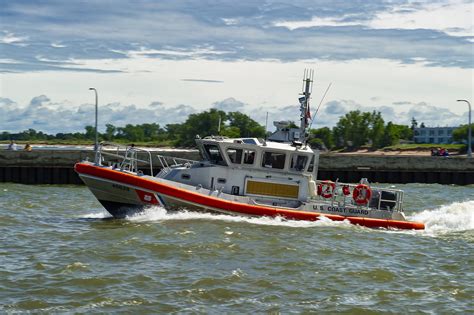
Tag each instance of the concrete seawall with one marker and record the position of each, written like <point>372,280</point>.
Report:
<point>56,167</point>
<point>397,169</point>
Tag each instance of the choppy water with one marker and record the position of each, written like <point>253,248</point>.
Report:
<point>59,253</point>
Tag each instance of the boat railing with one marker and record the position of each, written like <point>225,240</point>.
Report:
<point>381,198</point>
<point>128,158</point>
<point>168,162</point>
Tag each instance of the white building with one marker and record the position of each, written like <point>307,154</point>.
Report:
<point>441,135</point>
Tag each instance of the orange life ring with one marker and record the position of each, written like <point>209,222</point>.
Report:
<point>362,194</point>
<point>326,189</point>
<point>346,190</point>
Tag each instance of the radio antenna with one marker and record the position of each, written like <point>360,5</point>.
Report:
<point>317,109</point>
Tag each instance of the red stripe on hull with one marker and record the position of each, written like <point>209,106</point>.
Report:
<point>230,206</point>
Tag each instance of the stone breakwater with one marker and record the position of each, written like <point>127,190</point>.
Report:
<point>57,167</point>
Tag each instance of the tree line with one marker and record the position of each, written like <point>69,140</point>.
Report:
<point>353,130</point>
<point>357,129</point>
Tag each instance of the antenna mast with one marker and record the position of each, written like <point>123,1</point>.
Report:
<point>304,102</point>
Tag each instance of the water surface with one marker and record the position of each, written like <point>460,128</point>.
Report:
<point>60,252</point>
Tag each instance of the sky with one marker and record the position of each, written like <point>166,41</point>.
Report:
<point>159,61</point>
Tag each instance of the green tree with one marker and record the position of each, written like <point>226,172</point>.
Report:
<point>403,132</point>
<point>390,135</point>
<point>90,133</point>
<point>131,132</point>
<point>352,130</point>
<point>246,125</point>
<point>172,131</point>
<point>151,131</point>
<point>376,129</point>
<point>414,123</point>
<point>321,136</point>
<point>5,135</point>
<point>231,132</point>
<point>110,131</point>
<point>202,124</point>
<point>461,134</point>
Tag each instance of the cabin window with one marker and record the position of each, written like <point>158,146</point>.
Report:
<point>273,160</point>
<point>298,162</point>
<point>235,155</point>
<point>249,141</point>
<point>185,176</point>
<point>249,157</point>
<point>221,180</point>
<point>214,154</point>
<point>311,165</point>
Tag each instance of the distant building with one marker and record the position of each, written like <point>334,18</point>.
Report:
<point>441,135</point>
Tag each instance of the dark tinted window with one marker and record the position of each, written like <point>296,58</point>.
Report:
<point>214,154</point>
<point>249,157</point>
<point>273,160</point>
<point>298,162</point>
<point>235,155</point>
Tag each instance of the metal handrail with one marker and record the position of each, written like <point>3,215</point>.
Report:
<point>398,193</point>
<point>129,157</point>
<point>163,159</point>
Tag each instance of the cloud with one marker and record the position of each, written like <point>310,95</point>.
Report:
<point>202,80</point>
<point>435,116</point>
<point>43,114</point>
<point>229,105</point>
<point>430,115</point>
<point>438,34</point>
<point>338,107</point>
<point>6,102</point>
<point>10,38</point>
<point>156,105</point>
<point>38,101</point>
<point>452,17</point>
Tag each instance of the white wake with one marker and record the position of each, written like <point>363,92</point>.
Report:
<point>455,217</point>
<point>156,214</point>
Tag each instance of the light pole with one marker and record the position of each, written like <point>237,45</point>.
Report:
<point>96,145</point>
<point>469,149</point>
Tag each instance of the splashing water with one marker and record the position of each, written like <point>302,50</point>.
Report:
<point>161,214</point>
<point>455,217</point>
<point>97,215</point>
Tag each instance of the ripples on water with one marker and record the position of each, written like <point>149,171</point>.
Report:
<point>60,252</point>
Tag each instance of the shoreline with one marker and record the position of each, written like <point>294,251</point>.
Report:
<point>56,166</point>
<point>363,152</point>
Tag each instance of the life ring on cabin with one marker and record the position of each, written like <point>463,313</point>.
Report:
<point>326,189</point>
<point>346,190</point>
<point>362,194</point>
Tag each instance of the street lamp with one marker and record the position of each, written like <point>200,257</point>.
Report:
<point>469,149</point>
<point>96,145</point>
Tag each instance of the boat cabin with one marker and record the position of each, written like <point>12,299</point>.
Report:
<point>279,171</point>
<point>257,154</point>
<point>253,167</point>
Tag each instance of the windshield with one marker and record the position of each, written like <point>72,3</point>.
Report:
<point>213,153</point>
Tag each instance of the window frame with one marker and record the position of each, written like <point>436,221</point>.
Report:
<point>236,150</point>
<point>262,164</point>
<point>208,154</point>
<point>306,162</point>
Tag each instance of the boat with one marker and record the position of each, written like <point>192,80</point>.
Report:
<point>273,177</point>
